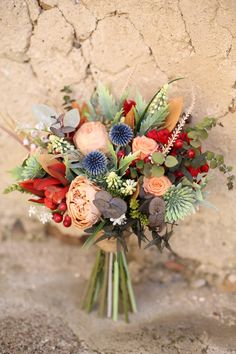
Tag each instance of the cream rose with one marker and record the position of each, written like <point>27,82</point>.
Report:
<point>145,145</point>
<point>91,136</point>
<point>80,205</point>
<point>156,185</point>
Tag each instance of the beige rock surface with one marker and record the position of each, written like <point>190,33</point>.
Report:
<point>47,44</point>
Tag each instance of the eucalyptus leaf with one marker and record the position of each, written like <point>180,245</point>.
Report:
<point>71,118</point>
<point>158,157</point>
<point>171,161</point>
<point>44,114</point>
<point>157,171</point>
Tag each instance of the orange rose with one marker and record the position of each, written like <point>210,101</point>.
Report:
<point>91,136</point>
<point>156,185</point>
<point>145,145</point>
<point>80,205</point>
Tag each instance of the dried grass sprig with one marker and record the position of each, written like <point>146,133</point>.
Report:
<point>178,129</point>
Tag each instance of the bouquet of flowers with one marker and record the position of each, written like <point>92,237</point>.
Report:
<point>116,169</point>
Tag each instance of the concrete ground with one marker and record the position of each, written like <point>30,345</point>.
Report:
<point>41,285</point>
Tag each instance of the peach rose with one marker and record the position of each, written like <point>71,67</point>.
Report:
<point>145,145</point>
<point>156,185</point>
<point>91,136</point>
<point>80,205</point>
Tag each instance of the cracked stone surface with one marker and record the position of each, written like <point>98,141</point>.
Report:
<point>46,44</point>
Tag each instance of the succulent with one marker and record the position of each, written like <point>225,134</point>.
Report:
<point>179,203</point>
<point>111,208</point>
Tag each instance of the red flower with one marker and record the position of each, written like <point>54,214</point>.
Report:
<point>160,136</point>
<point>127,105</point>
<point>51,190</point>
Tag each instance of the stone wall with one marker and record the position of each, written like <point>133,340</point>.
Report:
<point>46,44</point>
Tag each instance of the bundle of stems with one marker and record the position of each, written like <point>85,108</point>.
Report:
<point>110,286</point>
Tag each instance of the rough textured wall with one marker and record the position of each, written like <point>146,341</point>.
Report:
<point>46,44</point>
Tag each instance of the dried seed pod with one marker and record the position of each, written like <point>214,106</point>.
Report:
<point>157,212</point>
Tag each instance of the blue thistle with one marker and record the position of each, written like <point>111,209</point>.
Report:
<point>95,163</point>
<point>121,134</point>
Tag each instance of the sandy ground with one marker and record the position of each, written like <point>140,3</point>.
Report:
<point>41,287</point>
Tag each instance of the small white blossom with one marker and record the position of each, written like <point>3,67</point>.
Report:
<point>128,187</point>
<point>44,216</point>
<point>40,126</point>
<point>113,180</point>
<point>32,211</point>
<point>119,221</point>
<point>25,141</point>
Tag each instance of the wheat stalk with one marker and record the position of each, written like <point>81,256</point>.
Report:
<point>178,129</point>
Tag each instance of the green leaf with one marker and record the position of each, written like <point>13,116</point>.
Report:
<point>154,120</point>
<point>171,161</point>
<point>117,117</point>
<point>140,103</point>
<point>158,157</point>
<point>90,239</point>
<point>16,173</point>
<point>126,161</point>
<point>106,102</point>
<point>213,164</point>
<point>203,134</point>
<point>14,187</point>
<point>32,169</point>
<point>69,175</point>
<point>147,170</point>
<point>44,114</point>
<point>113,154</point>
<point>195,143</point>
<point>158,171</point>
<point>140,164</point>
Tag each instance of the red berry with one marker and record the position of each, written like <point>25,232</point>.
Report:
<point>67,221</point>
<point>179,174</point>
<point>146,159</point>
<point>62,207</point>
<point>120,154</point>
<point>205,168</point>
<point>57,217</point>
<point>191,153</point>
<point>179,144</point>
<point>127,173</point>
<point>194,171</point>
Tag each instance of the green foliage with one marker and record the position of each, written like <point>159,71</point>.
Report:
<point>14,187</point>
<point>179,203</point>
<point>159,159</point>
<point>16,173</point>
<point>136,214</point>
<point>69,174</point>
<point>107,102</point>
<point>217,161</point>
<point>154,120</point>
<point>113,154</point>
<point>126,161</point>
<point>32,169</point>
<point>140,104</point>
<point>200,131</point>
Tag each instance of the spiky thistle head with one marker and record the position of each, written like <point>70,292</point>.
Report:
<point>121,134</point>
<point>179,203</point>
<point>95,163</point>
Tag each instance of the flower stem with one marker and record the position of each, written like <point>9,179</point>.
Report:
<point>129,284</point>
<point>92,284</point>
<point>109,291</point>
<point>116,290</point>
<point>104,281</point>
<point>124,288</point>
